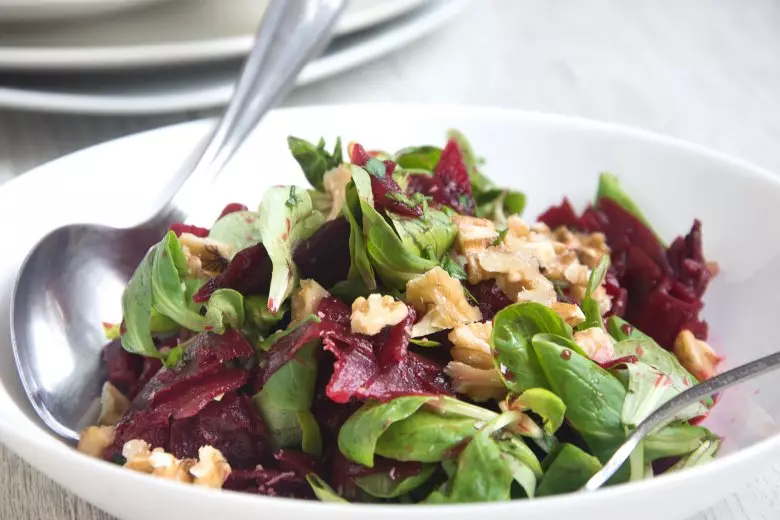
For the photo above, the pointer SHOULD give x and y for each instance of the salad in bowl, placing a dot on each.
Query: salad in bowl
(399, 333)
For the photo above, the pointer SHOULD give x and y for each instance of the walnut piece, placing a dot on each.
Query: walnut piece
(471, 344)
(479, 384)
(516, 273)
(441, 300)
(95, 439)
(335, 183)
(113, 405)
(695, 355)
(306, 299)
(597, 344)
(474, 234)
(206, 257)
(212, 470)
(371, 315)
(570, 313)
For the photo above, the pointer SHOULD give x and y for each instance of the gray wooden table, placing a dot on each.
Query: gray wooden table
(703, 70)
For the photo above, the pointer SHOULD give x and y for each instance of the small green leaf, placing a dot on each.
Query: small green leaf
(590, 306)
(376, 168)
(423, 342)
(282, 227)
(322, 490)
(543, 403)
(425, 437)
(169, 267)
(238, 230)
(453, 268)
(513, 328)
(514, 203)
(360, 269)
(418, 235)
(173, 356)
(609, 187)
(567, 471)
(269, 342)
(287, 395)
(359, 435)
(384, 485)
(311, 442)
(225, 309)
(422, 158)
(675, 440)
(315, 160)
(259, 317)
(593, 397)
(704, 454)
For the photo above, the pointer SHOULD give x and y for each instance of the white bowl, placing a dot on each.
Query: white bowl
(547, 157)
(39, 10)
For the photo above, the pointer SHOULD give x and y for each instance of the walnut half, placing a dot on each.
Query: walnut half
(442, 301)
(370, 315)
(695, 355)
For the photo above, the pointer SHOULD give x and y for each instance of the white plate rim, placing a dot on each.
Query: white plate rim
(160, 54)
(720, 466)
(394, 36)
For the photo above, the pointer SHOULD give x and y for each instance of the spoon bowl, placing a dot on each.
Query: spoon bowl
(68, 283)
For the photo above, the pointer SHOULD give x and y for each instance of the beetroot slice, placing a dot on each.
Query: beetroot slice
(656, 289)
(269, 482)
(490, 299)
(249, 272)
(231, 425)
(186, 228)
(450, 183)
(324, 256)
(387, 193)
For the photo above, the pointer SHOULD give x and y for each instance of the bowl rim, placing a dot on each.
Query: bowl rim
(719, 466)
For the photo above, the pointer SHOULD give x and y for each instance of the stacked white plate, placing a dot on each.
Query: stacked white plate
(156, 56)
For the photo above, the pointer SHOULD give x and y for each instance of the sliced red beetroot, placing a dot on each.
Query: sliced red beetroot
(324, 257)
(490, 299)
(296, 461)
(249, 272)
(392, 343)
(148, 426)
(386, 191)
(345, 471)
(200, 376)
(686, 258)
(231, 425)
(450, 183)
(561, 215)
(186, 228)
(269, 482)
(233, 207)
(334, 310)
(122, 367)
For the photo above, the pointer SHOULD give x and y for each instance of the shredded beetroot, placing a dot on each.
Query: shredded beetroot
(270, 482)
(490, 299)
(450, 183)
(657, 289)
(324, 257)
(233, 207)
(231, 425)
(186, 228)
(387, 193)
(367, 367)
(249, 272)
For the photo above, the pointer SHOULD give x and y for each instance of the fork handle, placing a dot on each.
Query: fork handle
(290, 34)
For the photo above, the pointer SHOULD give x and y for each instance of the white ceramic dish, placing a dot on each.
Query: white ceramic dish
(547, 156)
(29, 10)
(174, 32)
(206, 86)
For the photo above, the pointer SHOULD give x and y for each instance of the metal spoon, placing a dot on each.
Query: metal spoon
(77, 270)
(694, 394)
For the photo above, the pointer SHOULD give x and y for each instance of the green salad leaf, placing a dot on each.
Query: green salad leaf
(259, 317)
(285, 401)
(384, 485)
(425, 436)
(649, 388)
(567, 470)
(158, 287)
(286, 217)
(422, 158)
(609, 187)
(593, 397)
(360, 269)
(315, 160)
(543, 403)
(513, 329)
(675, 440)
(704, 454)
(239, 230)
(224, 309)
(430, 237)
(311, 437)
(322, 490)
(590, 307)
(359, 435)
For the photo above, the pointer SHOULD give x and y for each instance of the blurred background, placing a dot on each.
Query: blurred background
(701, 70)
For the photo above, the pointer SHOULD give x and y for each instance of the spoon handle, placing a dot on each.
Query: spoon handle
(290, 34)
(705, 389)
